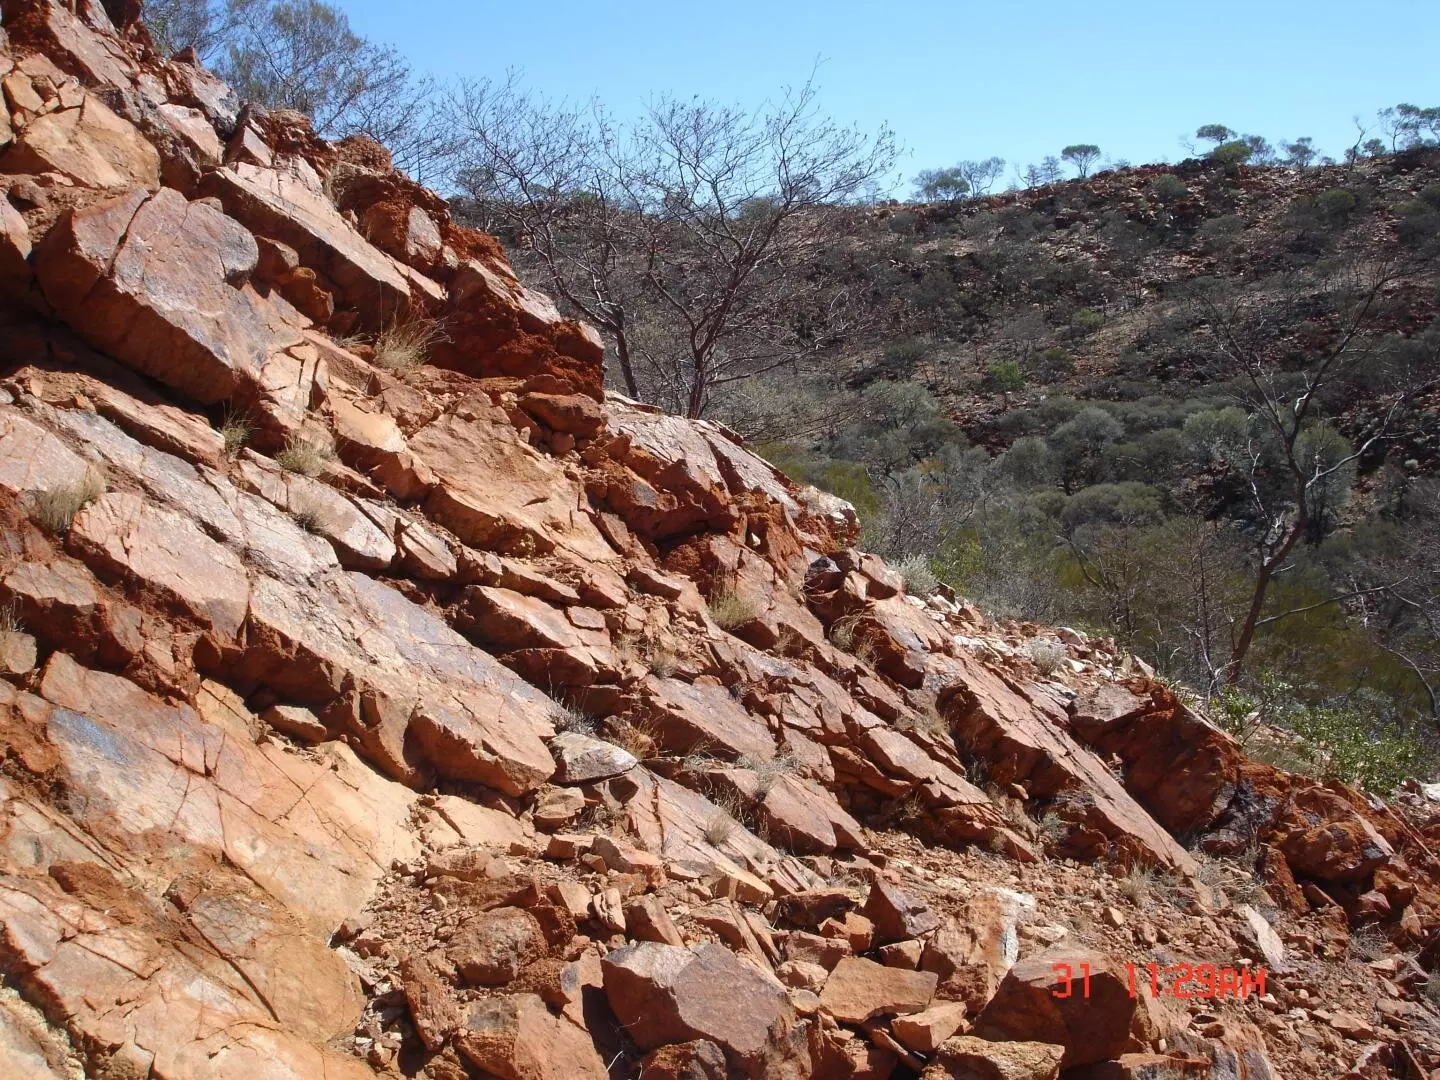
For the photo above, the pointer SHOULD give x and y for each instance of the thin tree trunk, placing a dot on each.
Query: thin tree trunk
(627, 369)
(1257, 598)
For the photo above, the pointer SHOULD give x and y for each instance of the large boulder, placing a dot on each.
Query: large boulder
(1048, 998)
(860, 989)
(664, 994)
(1026, 741)
(160, 283)
(89, 144)
(518, 1038)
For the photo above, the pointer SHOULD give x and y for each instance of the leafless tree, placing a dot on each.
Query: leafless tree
(1291, 463)
(686, 236)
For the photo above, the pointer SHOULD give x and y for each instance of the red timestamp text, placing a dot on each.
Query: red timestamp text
(1184, 981)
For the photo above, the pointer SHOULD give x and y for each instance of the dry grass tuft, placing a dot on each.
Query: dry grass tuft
(842, 632)
(720, 828)
(56, 508)
(640, 737)
(568, 718)
(307, 454)
(924, 719)
(235, 432)
(1368, 943)
(660, 659)
(730, 610)
(310, 515)
(10, 622)
(767, 772)
(403, 348)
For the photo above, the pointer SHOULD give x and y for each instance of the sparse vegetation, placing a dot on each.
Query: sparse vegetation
(235, 432)
(307, 454)
(730, 610)
(842, 632)
(659, 658)
(639, 736)
(310, 514)
(1368, 943)
(404, 347)
(10, 622)
(924, 719)
(55, 508)
(719, 828)
(569, 718)
(1273, 725)
(920, 580)
(768, 771)
(1047, 655)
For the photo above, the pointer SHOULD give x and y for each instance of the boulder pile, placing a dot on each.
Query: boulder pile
(467, 719)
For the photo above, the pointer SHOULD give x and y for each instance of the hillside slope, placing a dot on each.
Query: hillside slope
(364, 718)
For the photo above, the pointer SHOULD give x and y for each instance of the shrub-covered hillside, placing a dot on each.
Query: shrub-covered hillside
(1195, 406)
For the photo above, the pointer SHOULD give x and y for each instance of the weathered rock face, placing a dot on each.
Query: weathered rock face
(1033, 1004)
(663, 994)
(352, 722)
(158, 282)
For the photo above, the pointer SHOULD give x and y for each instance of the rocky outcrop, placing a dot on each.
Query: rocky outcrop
(473, 721)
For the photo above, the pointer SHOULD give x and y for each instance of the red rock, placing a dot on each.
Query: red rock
(290, 205)
(89, 144)
(1338, 851)
(859, 989)
(1107, 1023)
(517, 1038)
(812, 907)
(572, 413)
(965, 1057)
(508, 620)
(647, 920)
(1026, 743)
(698, 1060)
(489, 949)
(924, 1031)
(972, 952)
(663, 994)
(1181, 768)
(902, 954)
(372, 442)
(15, 249)
(581, 759)
(821, 951)
(1144, 1067)
(158, 283)
(122, 535)
(696, 714)
(433, 1008)
(896, 914)
(494, 491)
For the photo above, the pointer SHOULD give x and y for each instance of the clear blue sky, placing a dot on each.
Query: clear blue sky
(961, 79)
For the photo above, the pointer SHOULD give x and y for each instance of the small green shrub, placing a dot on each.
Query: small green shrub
(1004, 377)
(1086, 321)
(1339, 742)
(1169, 188)
(920, 579)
